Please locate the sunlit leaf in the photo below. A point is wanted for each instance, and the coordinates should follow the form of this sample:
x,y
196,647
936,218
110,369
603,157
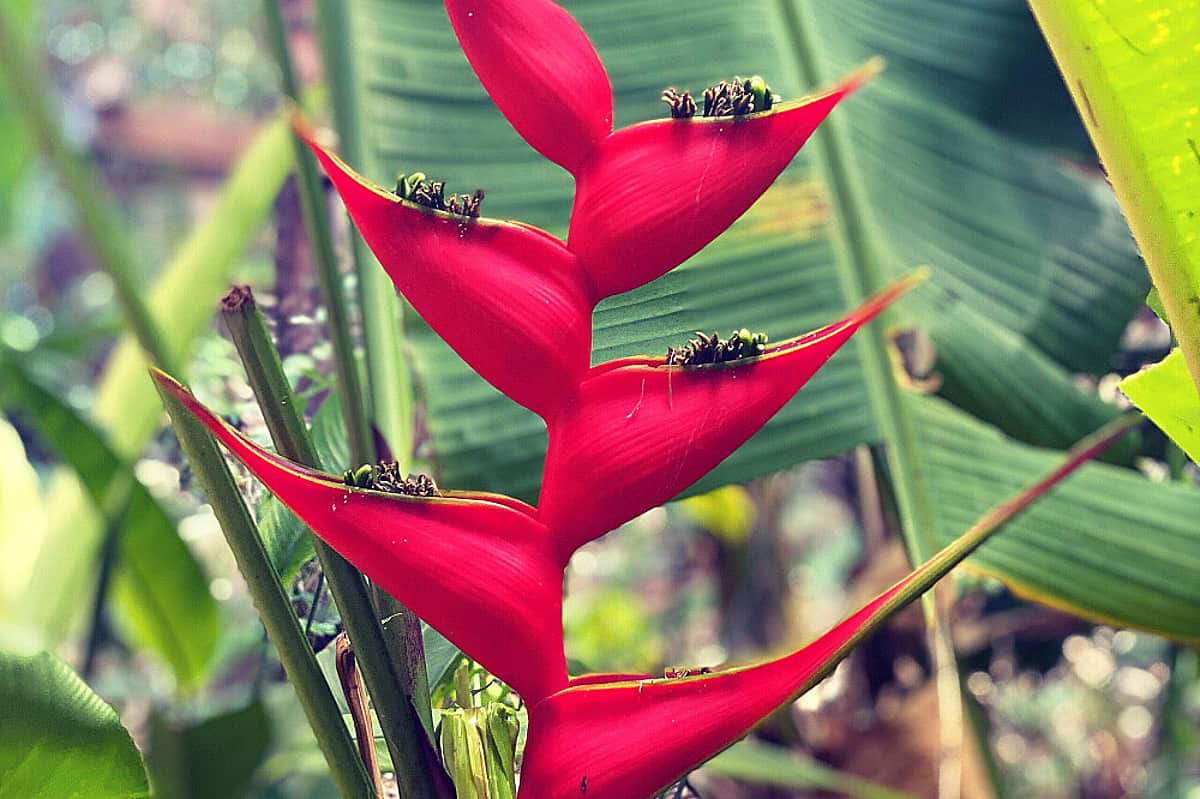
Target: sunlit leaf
x,y
58,739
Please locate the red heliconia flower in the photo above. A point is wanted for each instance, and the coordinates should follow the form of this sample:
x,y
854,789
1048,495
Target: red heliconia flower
x,y
513,301
478,567
649,196
639,431
507,297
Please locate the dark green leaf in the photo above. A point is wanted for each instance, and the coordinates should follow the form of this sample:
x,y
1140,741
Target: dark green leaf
x,y
288,542
1107,544
440,655
213,759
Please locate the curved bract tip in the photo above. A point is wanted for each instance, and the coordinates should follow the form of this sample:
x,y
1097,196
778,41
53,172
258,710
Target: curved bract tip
x,y
656,193
508,298
541,72
482,572
639,431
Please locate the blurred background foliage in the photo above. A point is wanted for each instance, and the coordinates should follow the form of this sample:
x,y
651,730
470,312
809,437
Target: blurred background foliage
x,y
972,160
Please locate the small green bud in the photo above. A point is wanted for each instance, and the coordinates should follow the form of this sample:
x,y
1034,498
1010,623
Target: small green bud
x,y
407,185
500,729
360,477
763,97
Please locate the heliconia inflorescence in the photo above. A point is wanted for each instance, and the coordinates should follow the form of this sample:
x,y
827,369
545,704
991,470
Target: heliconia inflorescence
x,y
516,304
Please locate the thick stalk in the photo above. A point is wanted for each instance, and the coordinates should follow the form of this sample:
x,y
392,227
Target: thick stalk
x,y
389,386
316,221
402,728
272,603
861,272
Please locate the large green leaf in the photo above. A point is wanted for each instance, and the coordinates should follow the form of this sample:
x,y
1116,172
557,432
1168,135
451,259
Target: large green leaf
x,y
183,299
162,593
1132,71
60,740
1106,544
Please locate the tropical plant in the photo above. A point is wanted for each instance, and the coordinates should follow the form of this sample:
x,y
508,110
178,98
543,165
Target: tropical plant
x,y
1031,282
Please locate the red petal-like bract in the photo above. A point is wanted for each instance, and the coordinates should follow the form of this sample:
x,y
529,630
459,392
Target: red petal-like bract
x,y
482,572
541,71
656,193
627,740
507,297
639,432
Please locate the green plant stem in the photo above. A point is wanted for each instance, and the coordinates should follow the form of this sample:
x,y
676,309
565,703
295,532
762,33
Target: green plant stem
x,y
389,385
861,271
272,603
94,206
402,728
316,221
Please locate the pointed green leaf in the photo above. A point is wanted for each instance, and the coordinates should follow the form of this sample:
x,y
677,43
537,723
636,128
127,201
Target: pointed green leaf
x,y
1165,392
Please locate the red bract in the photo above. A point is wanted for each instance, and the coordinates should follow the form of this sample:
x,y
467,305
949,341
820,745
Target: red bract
x,y
654,194
540,70
640,431
507,297
629,739
649,196
478,567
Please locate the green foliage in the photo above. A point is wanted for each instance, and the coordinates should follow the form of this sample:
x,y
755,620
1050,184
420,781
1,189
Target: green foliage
x,y
125,408
1107,544
58,739
764,764
612,632
1131,72
21,508
160,589
1165,392
212,759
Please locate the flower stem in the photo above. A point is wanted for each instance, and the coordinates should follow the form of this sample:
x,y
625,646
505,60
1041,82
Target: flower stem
x,y
316,221
272,603
389,384
401,726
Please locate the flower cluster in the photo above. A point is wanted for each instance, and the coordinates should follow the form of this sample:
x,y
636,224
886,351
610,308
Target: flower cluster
x,y
624,436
